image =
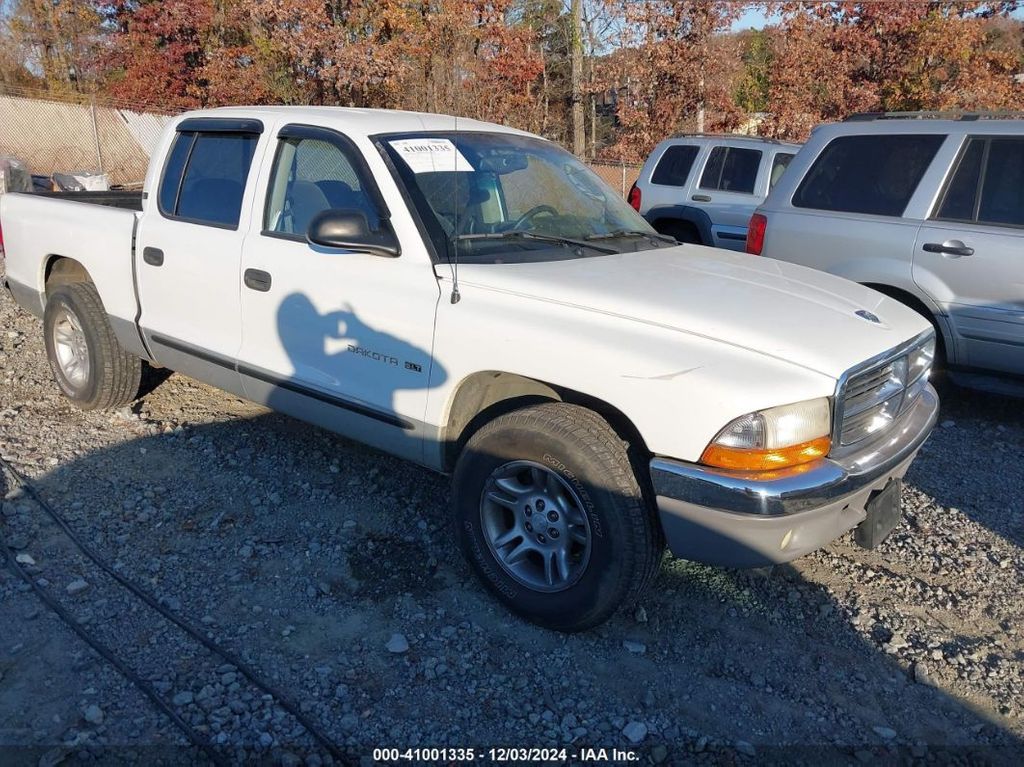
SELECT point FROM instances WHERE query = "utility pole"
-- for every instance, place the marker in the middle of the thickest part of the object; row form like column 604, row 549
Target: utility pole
column 579, row 136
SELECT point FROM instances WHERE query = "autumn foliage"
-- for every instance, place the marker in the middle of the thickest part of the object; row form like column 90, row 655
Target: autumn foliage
column 650, row 67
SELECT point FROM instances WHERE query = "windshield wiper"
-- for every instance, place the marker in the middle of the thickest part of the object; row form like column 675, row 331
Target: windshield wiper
column 517, row 234
column 652, row 236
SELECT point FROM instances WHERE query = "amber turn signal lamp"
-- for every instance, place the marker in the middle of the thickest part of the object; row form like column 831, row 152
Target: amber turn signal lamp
column 739, row 459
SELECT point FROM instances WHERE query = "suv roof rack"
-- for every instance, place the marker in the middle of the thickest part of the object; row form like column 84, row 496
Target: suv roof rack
column 740, row 136
column 964, row 116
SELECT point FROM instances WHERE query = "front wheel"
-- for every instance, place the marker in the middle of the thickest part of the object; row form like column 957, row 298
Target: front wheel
column 89, row 365
column 550, row 515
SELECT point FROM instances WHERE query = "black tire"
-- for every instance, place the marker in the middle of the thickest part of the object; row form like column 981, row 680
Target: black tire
column 581, row 449
column 113, row 374
column 682, row 231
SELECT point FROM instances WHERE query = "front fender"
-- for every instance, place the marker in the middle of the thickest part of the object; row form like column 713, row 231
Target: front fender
column 678, row 389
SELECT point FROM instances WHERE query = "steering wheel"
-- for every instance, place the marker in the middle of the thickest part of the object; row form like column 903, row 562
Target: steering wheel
column 536, row 210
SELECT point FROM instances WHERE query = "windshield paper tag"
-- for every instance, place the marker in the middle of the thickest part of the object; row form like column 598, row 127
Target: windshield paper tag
column 431, row 155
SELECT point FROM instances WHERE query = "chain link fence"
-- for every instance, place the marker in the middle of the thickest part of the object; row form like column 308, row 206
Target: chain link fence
column 51, row 134
column 618, row 176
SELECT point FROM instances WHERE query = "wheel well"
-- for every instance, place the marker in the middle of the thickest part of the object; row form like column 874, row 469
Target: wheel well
column 488, row 395
column 61, row 270
column 919, row 306
column 671, row 225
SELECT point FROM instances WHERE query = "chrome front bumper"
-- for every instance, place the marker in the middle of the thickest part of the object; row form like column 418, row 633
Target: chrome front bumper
column 738, row 519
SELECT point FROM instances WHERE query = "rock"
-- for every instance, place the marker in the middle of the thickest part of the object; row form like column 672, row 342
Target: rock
column 637, row 648
column 635, row 732
column 745, row 748
column 886, row 733
column 398, row 644
column 266, row 740
column 93, row 714
column 25, row 559
column 921, row 675
column 897, row 642
column 659, row 753
column 77, row 587
column 949, row 424
column 183, row 698
column 640, row 615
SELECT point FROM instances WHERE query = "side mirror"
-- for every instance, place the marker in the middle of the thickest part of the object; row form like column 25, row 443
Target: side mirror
column 349, row 230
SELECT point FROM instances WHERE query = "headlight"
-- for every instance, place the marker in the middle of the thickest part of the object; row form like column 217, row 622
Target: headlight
column 920, row 360
column 774, row 438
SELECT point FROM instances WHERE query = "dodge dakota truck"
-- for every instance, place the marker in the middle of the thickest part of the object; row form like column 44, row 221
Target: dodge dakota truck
column 475, row 299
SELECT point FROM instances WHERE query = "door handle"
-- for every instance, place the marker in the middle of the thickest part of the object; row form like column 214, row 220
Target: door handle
column 153, row 256
column 701, row 198
column 954, row 248
column 257, row 279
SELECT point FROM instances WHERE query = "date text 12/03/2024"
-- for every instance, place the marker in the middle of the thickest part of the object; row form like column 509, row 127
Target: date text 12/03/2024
column 504, row 754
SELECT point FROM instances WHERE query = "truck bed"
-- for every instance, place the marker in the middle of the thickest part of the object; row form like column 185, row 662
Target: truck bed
column 96, row 229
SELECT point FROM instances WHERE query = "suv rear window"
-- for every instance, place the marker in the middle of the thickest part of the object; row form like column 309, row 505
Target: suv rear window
column 674, row 166
column 871, row 174
column 988, row 185
column 731, row 170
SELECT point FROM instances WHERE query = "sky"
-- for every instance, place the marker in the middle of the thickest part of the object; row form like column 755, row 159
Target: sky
column 755, row 18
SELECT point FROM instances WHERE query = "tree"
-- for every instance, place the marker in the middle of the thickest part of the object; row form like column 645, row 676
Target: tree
column 674, row 63
column 840, row 57
column 55, row 41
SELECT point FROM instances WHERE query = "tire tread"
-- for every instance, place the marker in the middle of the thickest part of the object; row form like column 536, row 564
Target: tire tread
column 587, row 428
column 120, row 372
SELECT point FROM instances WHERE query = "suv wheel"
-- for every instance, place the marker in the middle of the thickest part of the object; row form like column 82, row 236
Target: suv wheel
column 551, row 517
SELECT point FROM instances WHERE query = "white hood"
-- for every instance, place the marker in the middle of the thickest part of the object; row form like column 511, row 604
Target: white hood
column 783, row 310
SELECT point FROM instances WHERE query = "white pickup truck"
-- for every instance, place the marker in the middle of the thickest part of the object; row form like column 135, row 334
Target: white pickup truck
column 474, row 299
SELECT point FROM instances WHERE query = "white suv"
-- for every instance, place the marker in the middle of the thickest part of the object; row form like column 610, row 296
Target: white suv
column 703, row 188
column 929, row 211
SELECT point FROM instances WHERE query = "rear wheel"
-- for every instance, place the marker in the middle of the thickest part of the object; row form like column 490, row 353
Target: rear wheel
column 550, row 515
column 89, row 365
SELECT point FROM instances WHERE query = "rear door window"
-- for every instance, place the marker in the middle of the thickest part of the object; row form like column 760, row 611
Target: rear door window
column 212, row 182
column 674, row 166
column 730, row 169
column 872, row 174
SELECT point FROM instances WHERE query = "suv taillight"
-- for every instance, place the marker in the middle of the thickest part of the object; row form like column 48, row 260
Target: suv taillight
column 755, row 234
column 633, row 198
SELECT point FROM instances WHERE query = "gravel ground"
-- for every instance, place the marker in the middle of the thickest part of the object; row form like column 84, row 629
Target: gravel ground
column 331, row 569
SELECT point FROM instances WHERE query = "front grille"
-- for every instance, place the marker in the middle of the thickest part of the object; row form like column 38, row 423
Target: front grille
column 871, row 397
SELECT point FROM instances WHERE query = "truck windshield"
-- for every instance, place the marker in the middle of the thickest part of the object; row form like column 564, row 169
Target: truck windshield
column 500, row 197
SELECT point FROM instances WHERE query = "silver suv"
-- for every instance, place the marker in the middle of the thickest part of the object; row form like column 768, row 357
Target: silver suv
column 703, row 188
column 928, row 211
